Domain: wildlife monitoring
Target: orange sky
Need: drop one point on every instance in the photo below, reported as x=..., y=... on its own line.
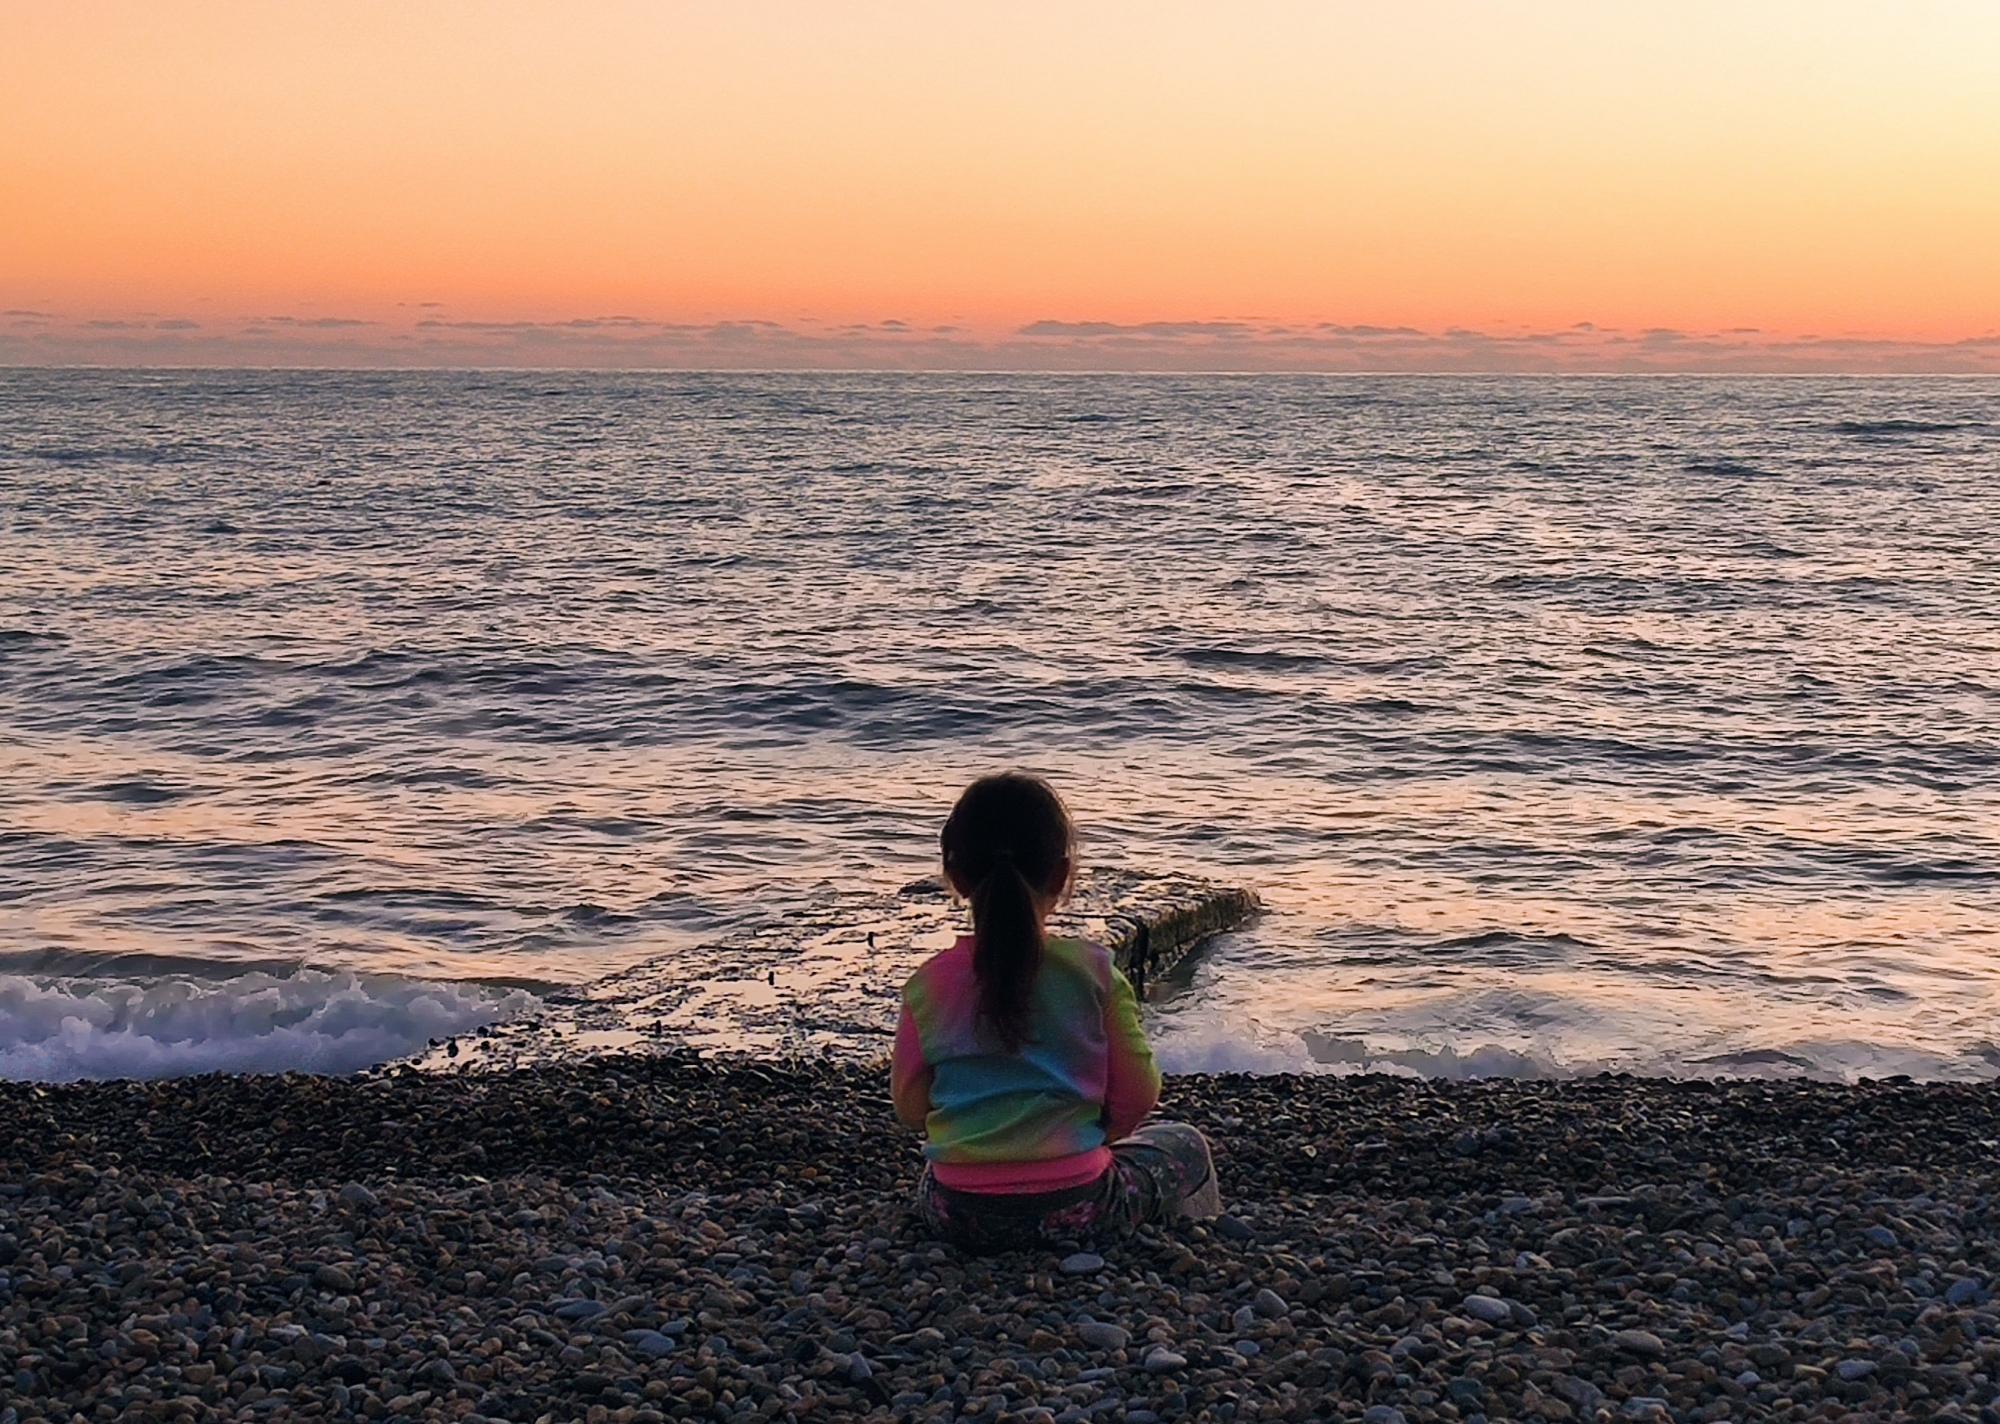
x=1802, y=167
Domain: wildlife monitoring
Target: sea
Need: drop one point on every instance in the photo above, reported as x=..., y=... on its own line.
x=1562, y=724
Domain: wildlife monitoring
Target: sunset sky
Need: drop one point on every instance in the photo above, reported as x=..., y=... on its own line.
x=1788, y=185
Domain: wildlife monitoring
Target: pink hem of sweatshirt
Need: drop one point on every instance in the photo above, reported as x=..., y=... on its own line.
x=1021, y=1178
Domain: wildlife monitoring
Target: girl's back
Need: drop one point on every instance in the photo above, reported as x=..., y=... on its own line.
x=1081, y=1075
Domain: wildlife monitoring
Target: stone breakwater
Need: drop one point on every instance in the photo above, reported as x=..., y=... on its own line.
x=824, y=980
x=661, y=1237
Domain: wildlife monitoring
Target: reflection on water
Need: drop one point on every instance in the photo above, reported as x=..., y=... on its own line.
x=1566, y=722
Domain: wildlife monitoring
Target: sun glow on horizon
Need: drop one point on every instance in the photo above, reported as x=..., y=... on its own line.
x=201, y=176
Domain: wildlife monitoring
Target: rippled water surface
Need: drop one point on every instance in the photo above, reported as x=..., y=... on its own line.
x=1562, y=723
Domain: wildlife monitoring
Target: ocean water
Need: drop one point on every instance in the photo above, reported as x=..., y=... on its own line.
x=1562, y=723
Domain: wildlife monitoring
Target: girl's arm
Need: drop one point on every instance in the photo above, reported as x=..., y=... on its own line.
x=909, y=1075
x=1132, y=1082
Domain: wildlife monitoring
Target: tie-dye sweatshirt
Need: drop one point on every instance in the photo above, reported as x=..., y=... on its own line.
x=1037, y=1118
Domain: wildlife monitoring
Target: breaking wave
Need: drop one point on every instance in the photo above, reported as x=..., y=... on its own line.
x=1215, y=1044
x=1220, y=1046
x=68, y=1029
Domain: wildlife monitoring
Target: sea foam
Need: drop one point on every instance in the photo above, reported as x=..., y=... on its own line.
x=310, y=1021
x=1209, y=1042
x=1218, y=1046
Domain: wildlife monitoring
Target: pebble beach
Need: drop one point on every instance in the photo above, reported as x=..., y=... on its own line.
x=629, y=1239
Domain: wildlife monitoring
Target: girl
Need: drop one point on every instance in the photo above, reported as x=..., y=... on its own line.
x=1021, y=1056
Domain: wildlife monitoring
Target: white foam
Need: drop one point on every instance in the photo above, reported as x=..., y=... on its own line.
x=1450, y=1061
x=1198, y=1052
x=1216, y=1049
x=1203, y=1044
x=66, y=1029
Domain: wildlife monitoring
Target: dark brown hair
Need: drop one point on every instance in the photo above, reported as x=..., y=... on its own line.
x=1007, y=845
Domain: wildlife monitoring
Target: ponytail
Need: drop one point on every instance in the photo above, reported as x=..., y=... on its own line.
x=1006, y=846
x=1006, y=949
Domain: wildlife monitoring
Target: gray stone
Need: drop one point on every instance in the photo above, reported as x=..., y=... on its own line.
x=1966, y=1290
x=1082, y=1263
x=1162, y=1361
x=1269, y=1304
x=355, y=1195
x=1489, y=1308
x=1579, y=1394
x=1382, y=1414
x=1852, y=1370
x=1101, y=1335
x=1643, y=1343
x=649, y=1343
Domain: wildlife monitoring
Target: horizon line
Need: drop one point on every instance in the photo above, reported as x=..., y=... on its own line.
x=1573, y=373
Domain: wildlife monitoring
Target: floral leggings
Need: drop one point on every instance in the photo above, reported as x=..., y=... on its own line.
x=1160, y=1173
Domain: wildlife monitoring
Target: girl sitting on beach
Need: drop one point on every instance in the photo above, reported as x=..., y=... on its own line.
x=1021, y=1057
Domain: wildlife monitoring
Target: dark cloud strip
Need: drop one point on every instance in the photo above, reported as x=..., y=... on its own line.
x=626, y=341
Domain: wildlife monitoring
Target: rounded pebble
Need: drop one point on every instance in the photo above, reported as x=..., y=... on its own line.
x=1102, y=1336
